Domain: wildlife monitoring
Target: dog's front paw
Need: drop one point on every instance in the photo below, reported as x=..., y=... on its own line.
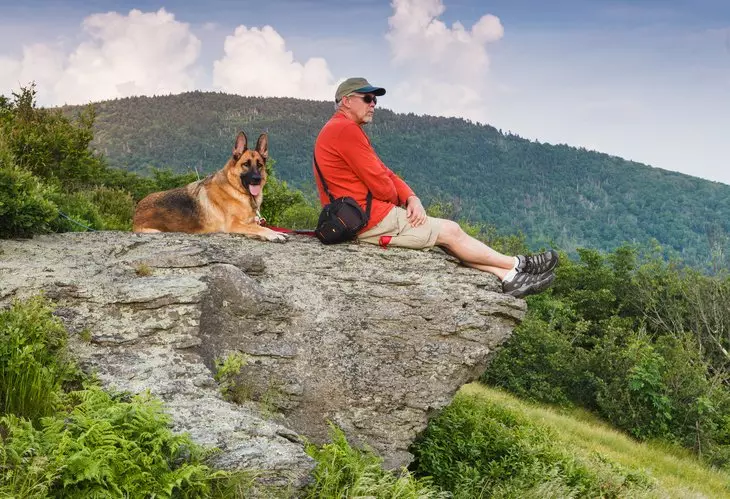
x=276, y=237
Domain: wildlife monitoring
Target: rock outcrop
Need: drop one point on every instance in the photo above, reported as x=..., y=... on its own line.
x=369, y=339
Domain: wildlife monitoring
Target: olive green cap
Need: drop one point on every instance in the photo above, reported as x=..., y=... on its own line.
x=359, y=85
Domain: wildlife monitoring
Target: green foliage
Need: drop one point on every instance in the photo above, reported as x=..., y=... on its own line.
x=25, y=205
x=33, y=360
x=100, y=208
x=636, y=340
x=299, y=217
x=103, y=446
x=226, y=372
x=477, y=448
x=286, y=207
x=346, y=472
x=116, y=207
x=87, y=443
x=48, y=144
x=631, y=390
x=77, y=213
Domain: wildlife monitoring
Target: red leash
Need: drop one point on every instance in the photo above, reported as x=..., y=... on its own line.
x=303, y=232
x=384, y=240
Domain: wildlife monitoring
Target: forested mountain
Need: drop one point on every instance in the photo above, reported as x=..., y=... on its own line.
x=555, y=194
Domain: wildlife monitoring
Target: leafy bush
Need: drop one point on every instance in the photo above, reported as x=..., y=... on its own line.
x=537, y=364
x=283, y=205
x=299, y=216
x=77, y=213
x=632, y=393
x=345, y=472
x=226, y=371
x=34, y=364
x=476, y=448
x=25, y=207
x=638, y=343
x=48, y=144
x=116, y=207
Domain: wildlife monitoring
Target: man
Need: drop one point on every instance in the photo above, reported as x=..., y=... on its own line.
x=351, y=167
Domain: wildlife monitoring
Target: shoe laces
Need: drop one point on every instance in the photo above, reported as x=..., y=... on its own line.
x=529, y=265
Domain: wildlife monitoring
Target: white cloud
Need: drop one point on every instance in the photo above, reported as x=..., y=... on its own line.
x=39, y=63
x=256, y=62
x=123, y=55
x=445, y=67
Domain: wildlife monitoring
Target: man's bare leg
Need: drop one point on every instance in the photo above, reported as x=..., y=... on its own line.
x=473, y=252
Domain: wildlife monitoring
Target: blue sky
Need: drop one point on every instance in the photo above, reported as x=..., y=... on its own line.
x=645, y=80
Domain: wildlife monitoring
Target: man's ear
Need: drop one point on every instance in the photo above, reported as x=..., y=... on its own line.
x=262, y=146
x=240, y=146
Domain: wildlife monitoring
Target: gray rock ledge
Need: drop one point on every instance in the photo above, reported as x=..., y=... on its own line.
x=375, y=341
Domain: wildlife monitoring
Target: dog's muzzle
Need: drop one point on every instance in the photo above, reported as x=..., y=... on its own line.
x=251, y=181
x=251, y=177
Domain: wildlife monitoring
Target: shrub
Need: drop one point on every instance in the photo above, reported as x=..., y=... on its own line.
x=25, y=207
x=477, y=448
x=48, y=144
x=77, y=213
x=632, y=393
x=537, y=364
x=278, y=198
x=346, y=472
x=299, y=216
x=33, y=360
x=115, y=207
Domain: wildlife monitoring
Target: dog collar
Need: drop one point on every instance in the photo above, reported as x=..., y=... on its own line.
x=259, y=219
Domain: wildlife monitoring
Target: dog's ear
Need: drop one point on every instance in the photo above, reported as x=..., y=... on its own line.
x=241, y=145
x=262, y=146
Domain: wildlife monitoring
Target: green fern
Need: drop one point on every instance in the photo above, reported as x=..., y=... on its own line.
x=87, y=443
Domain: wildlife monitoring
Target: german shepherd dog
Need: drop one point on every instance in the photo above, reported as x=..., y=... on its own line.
x=226, y=201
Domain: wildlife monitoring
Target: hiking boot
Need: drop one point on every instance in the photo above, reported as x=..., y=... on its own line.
x=537, y=264
x=524, y=284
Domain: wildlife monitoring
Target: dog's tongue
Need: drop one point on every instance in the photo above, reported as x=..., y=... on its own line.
x=254, y=190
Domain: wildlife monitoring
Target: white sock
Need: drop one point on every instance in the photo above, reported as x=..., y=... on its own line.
x=510, y=275
x=517, y=262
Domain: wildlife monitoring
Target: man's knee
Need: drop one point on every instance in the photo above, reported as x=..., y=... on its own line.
x=450, y=232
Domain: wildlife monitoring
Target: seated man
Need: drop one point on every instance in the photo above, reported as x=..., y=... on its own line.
x=351, y=167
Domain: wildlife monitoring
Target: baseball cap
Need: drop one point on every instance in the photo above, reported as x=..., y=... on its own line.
x=359, y=85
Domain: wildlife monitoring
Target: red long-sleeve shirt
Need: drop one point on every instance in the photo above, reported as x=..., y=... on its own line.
x=351, y=167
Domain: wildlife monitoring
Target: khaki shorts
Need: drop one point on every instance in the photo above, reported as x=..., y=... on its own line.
x=403, y=234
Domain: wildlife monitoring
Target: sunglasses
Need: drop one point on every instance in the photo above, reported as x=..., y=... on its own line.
x=367, y=99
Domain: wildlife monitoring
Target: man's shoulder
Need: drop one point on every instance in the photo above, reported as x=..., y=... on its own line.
x=339, y=125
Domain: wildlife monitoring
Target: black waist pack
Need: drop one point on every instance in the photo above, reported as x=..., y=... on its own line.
x=342, y=218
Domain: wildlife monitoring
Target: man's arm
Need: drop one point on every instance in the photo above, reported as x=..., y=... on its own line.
x=404, y=191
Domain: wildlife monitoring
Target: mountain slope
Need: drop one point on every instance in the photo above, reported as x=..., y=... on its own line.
x=555, y=194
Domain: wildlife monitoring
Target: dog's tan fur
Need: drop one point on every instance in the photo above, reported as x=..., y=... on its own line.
x=221, y=202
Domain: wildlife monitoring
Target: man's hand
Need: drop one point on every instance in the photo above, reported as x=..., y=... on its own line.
x=414, y=211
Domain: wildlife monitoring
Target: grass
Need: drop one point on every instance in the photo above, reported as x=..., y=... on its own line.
x=675, y=472
x=143, y=270
x=346, y=472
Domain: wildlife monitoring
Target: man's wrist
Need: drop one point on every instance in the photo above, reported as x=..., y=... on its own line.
x=412, y=198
